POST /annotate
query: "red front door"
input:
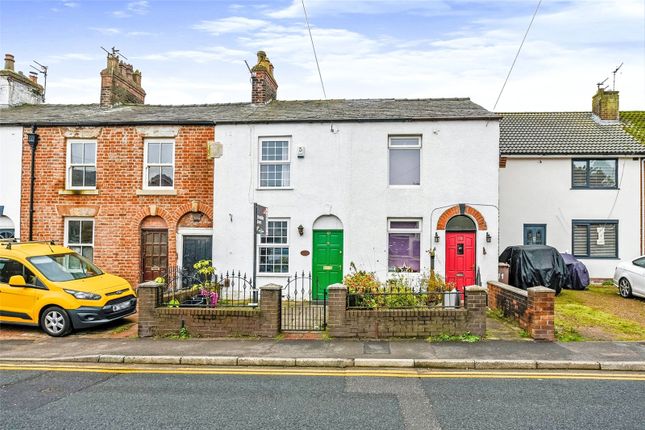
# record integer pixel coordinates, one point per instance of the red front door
(460, 259)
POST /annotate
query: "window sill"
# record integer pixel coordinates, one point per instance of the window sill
(405, 187)
(596, 258)
(274, 188)
(274, 275)
(156, 192)
(67, 192)
(594, 188)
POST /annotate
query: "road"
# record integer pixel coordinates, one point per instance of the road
(139, 397)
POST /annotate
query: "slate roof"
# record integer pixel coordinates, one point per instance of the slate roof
(276, 111)
(563, 133)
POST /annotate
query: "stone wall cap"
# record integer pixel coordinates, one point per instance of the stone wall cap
(476, 288)
(271, 287)
(149, 284)
(510, 288)
(541, 289)
(336, 287)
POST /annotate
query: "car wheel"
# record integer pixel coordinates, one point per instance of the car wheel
(55, 322)
(624, 288)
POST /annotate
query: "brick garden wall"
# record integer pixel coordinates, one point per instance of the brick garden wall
(384, 323)
(117, 209)
(534, 309)
(155, 320)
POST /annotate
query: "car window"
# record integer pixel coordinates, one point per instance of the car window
(640, 262)
(9, 268)
(64, 267)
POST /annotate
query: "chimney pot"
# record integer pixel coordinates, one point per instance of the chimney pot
(9, 62)
(34, 77)
(120, 83)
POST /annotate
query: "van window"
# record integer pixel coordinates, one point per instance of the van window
(9, 268)
(64, 267)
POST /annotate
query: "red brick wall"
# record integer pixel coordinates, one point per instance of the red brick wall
(117, 209)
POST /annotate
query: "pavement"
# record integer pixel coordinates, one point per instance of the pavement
(335, 353)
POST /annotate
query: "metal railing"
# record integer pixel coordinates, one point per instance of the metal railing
(303, 308)
(397, 297)
(185, 287)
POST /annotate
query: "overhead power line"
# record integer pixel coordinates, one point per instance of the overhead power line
(517, 54)
(313, 46)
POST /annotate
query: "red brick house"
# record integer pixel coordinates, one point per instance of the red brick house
(126, 184)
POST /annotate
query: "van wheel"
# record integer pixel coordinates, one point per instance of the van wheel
(55, 322)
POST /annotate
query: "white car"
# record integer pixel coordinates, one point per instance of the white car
(629, 277)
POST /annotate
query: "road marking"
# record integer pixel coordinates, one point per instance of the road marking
(349, 372)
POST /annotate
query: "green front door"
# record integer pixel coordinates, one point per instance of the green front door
(327, 261)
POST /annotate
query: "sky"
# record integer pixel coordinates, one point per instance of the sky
(193, 52)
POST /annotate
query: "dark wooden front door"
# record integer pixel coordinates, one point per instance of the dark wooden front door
(154, 253)
(196, 248)
(460, 259)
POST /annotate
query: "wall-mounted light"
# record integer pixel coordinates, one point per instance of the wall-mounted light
(436, 237)
(301, 230)
(488, 238)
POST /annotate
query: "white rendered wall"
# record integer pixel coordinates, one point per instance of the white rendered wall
(10, 172)
(345, 173)
(14, 93)
(538, 191)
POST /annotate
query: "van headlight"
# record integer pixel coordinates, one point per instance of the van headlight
(82, 295)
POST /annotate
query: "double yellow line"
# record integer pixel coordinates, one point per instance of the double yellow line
(348, 372)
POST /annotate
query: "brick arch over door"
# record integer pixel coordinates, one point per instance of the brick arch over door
(462, 209)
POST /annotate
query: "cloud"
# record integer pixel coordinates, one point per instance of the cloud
(140, 33)
(107, 30)
(71, 4)
(141, 7)
(366, 7)
(77, 56)
(206, 55)
(232, 24)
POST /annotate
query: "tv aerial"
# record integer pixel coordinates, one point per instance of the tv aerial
(613, 86)
(40, 70)
(115, 52)
(600, 84)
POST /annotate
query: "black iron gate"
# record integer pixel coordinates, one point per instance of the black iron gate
(300, 311)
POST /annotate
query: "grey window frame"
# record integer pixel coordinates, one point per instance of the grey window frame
(588, 186)
(589, 223)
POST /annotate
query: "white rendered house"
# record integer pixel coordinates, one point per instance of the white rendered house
(376, 183)
(574, 181)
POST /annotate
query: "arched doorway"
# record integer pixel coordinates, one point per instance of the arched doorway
(194, 239)
(461, 261)
(327, 258)
(154, 248)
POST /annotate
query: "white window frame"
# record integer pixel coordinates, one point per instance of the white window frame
(391, 147)
(146, 142)
(80, 244)
(69, 165)
(276, 245)
(274, 162)
(418, 230)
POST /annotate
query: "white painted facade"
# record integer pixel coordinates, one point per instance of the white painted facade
(345, 173)
(537, 190)
(13, 92)
(10, 175)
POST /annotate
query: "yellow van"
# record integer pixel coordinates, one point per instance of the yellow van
(52, 286)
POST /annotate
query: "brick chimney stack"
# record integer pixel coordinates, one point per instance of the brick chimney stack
(120, 83)
(264, 88)
(604, 105)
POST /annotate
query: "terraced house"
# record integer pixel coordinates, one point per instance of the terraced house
(125, 184)
(574, 180)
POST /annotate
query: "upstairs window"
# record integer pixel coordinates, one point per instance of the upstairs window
(275, 163)
(600, 173)
(595, 239)
(159, 169)
(81, 165)
(405, 160)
